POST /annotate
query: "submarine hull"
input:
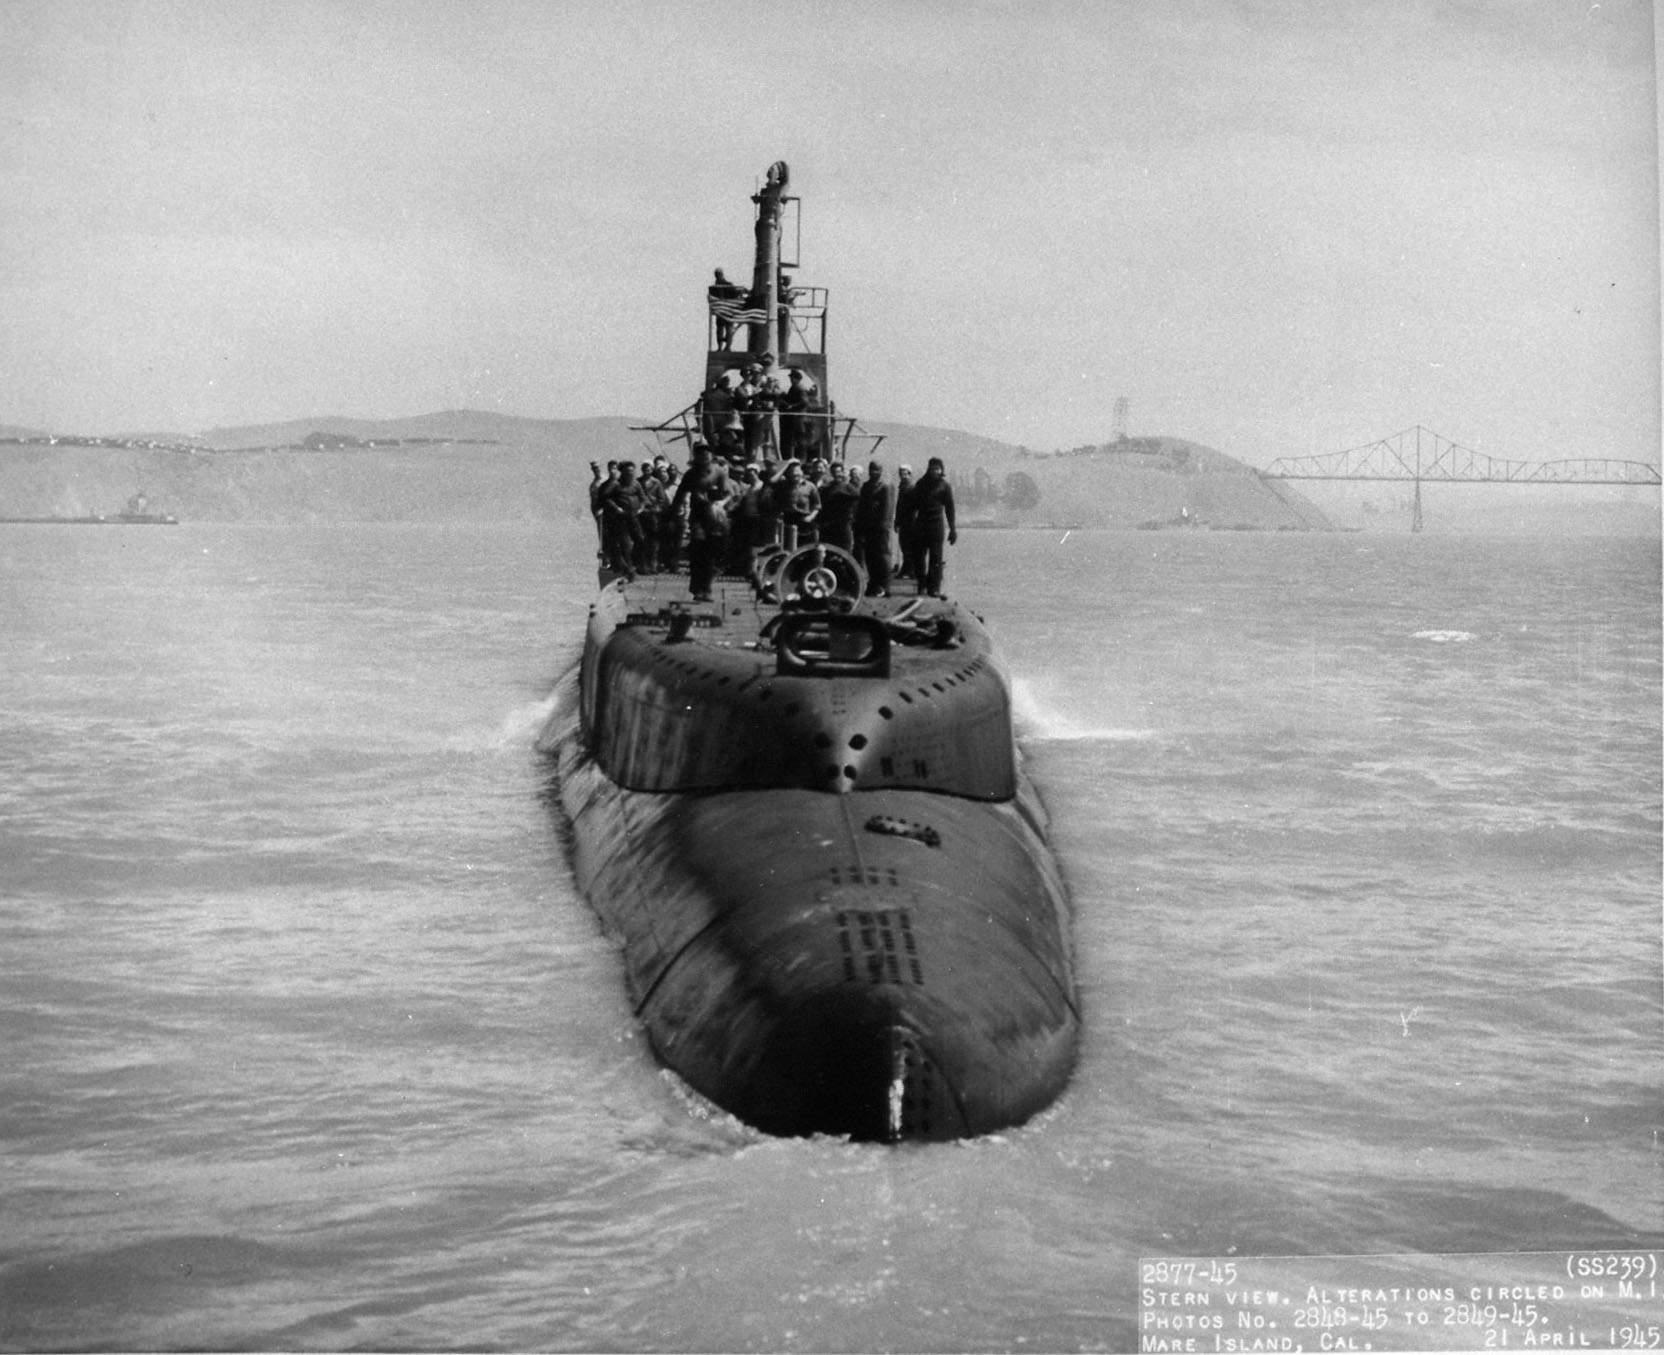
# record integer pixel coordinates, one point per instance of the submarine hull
(887, 966)
(794, 796)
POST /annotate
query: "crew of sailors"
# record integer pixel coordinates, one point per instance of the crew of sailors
(764, 472)
(741, 409)
(715, 516)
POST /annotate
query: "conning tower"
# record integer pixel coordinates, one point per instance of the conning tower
(785, 319)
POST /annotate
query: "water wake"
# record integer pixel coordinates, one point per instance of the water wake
(523, 724)
(517, 730)
(1038, 721)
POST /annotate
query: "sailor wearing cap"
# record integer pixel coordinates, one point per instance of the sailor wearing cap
(933, 522)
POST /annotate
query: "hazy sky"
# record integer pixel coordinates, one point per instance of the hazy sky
(1275, 227)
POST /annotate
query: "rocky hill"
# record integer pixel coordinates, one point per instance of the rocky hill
(1151, 482)
(469, 466)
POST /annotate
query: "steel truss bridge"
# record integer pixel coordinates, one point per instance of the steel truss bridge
(1419, 454)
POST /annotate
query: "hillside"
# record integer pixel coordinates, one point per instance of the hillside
(1140, 483)
(460, 467)
(469, 466)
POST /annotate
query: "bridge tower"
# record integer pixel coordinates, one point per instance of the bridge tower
(1415, 508)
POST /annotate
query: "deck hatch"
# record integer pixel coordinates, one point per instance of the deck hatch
(824, 644)
(890, 826)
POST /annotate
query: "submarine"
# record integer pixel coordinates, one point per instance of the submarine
(797, 804)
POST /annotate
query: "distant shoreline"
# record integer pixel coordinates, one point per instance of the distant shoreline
(315, 443)
(154, 520)
(476, 466)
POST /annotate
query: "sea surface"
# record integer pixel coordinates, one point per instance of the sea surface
(309, 1043)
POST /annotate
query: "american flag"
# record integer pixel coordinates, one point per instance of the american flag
(738, 312)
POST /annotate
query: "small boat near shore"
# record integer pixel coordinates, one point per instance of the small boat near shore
(135, 514)
(800, 808)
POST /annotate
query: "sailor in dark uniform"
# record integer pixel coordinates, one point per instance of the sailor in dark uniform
(787, 297)
(791, 404)
(716, 410)
(745, 519)
(838, 501)
(723, 291)
(874, 512)
(704, 491)
(933, 524)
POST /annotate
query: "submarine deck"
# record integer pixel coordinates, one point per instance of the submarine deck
(740, 693)
(735, 619)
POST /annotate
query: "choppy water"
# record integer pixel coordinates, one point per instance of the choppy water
(309, 1042)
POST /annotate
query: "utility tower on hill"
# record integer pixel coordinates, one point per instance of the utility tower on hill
(1120, 418)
